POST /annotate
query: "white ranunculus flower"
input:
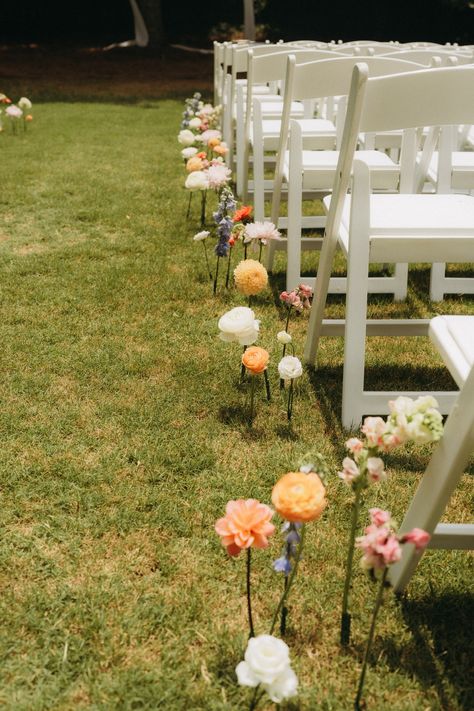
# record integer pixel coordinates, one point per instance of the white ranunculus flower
(195, 122)
(245, 676)
(267, 658)
(25, 103)
(199, 236)
(290, 367)
(197, 180)
(284, 687)
(239, 326)
(189, 152)
(186, 137)
(284, 337)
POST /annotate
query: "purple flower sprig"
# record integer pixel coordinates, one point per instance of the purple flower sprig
(286, 562)
(224, 223)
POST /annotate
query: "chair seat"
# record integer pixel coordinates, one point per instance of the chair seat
(453, 337)
(319, 168)
(416, 228)
(321, 131)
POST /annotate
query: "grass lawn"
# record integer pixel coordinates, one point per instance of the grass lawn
(123, 436)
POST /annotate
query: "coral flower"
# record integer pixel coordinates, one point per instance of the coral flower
(250, 277)
(245, 525)
(299, 497)
(255, 359)
(193, 164)
(243, 214)
(213, 142)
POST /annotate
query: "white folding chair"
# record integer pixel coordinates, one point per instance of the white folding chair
(453, 336)
(389, 228)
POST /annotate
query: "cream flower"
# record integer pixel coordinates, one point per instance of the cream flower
(25, 103)
(189, 152)
(267, 662)
(197, 180)
(186, 137)
(199, 236)
(263, 231)
(195, 122)
(290, 368)
(239, 326)
(284, 337)
(206, 136)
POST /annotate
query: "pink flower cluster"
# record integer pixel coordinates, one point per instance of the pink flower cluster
(299, 298)
(381, 545)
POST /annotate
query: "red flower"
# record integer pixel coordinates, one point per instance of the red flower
(244, 214)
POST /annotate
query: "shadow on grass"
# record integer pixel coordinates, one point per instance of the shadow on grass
(286, 431)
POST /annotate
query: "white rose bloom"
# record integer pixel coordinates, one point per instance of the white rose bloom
(195, 122)
(197, 180)
(25, 103)
(201, 235)
(245, 676)
(189, 152)
(239, 326)
(267, 658)
(186, 137)
(284, 687)
(290, 367)
(284, 337)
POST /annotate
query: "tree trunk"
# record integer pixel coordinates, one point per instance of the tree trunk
(152, 15)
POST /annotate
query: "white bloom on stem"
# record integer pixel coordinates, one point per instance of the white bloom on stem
(218, 175)
(239, 326)
(290, 367)
(284, 337)
(376, 469)
(206, 136)
(197, 180)
(199, 236)
(13, 111)
(267, 662)
(350, 471)
(186, 137)
(417, 420)
(189, 152)
(195, 122)
(263, 231)
(25, 103)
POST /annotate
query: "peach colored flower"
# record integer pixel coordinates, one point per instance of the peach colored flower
(255, 359)
(245, 525)
(299, 497)
(250, 277)
(213, 142)
(221, 149)
(193, 164)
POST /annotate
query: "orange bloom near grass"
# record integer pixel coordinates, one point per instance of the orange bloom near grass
(245, 525)
(255, 359)
(250, 277)
(193, 164)
(299, 497)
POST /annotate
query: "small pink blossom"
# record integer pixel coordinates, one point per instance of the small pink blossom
(378, 517)
(390, 550)
(350, 470)
(208, 135)
(418, 537)
(374, 429)
(375, 469)
(355, 446)
(218, 175)
(262, 231)
(291, 298)
(13, 111)
(305, 291)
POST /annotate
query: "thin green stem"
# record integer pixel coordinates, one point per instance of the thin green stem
(346, 617)
(217, 274)
(245, 251)
(207, 260)
(284, 609)
(370, 639)
(249, 600)
(267, 384)
(189, 204)
(286, 592)
(229, 260)
(256, 698)
(252, 397)
(260, 252)
(290, 400)
(203, 208)
(242, 369)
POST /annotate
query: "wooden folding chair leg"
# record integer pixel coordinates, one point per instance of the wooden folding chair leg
(437, 485)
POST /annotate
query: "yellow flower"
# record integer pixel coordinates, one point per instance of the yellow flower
(299, 497)
(250, 277)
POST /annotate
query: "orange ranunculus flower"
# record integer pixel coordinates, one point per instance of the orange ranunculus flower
(255, 359)
(250, 277)
(221, 149)
(201, 155)
(299, 497)
(28, 117)
(212, 142)
(243, 214)
(194, 163)
(245, 525)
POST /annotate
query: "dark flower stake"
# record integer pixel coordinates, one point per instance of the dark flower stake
(224, 228)
(189, 204)
(203, 207)
(381, 548)
(229, 261)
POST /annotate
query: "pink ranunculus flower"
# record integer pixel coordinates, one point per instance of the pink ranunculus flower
(378, 517)
(350, 470)
(375, 469)
(291, 298)
(390, 550)
(305, 290)
(355, 446)
(208, 135)
(218, 175)
(374, 429)
(245, 525)
(418, 537)
(13, 111)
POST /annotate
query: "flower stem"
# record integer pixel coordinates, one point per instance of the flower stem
(286, 592)
(252, 397)
(284, 612)
(346, 616)
(207, 260)
(217, 274)
(290, 400)
(370, 639)
(260, 252)
(282, 382)
(189, 204)
(242, 369)
(267, 384)
(203, 208)
(249, 602)
(229, 259)
(245, 251)
(255, 698)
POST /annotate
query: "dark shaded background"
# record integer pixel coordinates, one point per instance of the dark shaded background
(97, 22)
